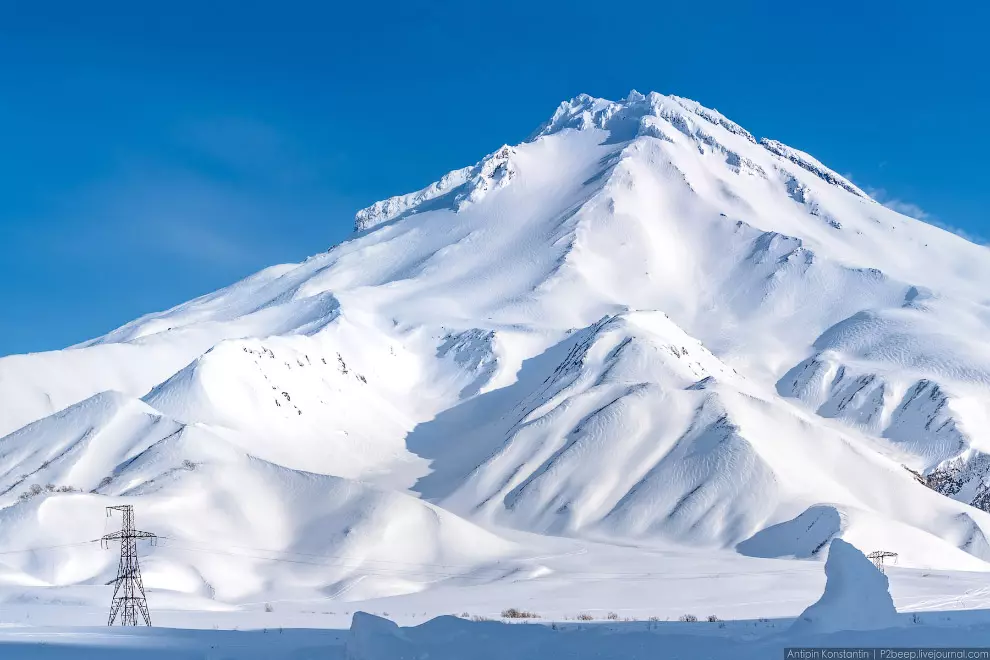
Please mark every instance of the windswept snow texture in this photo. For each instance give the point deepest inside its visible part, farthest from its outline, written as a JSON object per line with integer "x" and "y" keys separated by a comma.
{"x": 644, "y": 325}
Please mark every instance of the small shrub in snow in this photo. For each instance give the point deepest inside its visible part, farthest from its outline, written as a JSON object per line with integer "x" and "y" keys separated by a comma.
{"x": 513, "y": 613}
{"x": 585, "y": 617}
{"x": 712, "y": 618}
{"x": 269, "y": 608}
{"x": 612, "y": 616}
{"x": 35, "y": 489}
{"x": 477, "y": 617}
{"x": 189, "y": 465}
{"x": 688, "y": 618}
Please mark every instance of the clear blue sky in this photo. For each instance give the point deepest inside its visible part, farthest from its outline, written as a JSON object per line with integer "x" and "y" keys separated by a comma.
{"x": 152, "y": 152}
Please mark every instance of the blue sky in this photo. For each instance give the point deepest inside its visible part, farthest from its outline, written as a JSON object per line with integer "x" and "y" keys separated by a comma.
{"x": 153, "y": 152}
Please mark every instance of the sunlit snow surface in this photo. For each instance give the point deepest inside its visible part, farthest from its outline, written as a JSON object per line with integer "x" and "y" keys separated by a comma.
{"x": 641, "y": 363}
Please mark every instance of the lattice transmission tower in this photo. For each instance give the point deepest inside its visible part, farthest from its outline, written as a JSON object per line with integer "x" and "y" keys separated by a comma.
{"x": 879, "y": 556}
{"x": 128, "y": 594}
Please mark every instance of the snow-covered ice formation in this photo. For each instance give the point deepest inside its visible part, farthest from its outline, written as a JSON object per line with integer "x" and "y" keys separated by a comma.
{"x": 856, "y": 596}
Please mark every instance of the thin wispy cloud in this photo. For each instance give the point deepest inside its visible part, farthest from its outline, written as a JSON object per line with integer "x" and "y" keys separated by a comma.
{"x": 234, "y": 195}
{"x": 915, "y": 211}
{"x": 246, "y": 149}
{"x": 908, "y": 208}
{"x": 901, "y": 206}
{"x": 164, "y": 214}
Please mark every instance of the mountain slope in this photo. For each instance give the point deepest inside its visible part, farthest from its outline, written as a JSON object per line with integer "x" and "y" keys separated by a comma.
{"x": 643, "y": 324}
{"x": 192, "y": 485}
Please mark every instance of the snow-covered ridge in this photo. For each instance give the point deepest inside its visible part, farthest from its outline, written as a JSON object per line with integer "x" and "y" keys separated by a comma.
{"x": 807, "y": 162}
{"x": 463, "y": 186}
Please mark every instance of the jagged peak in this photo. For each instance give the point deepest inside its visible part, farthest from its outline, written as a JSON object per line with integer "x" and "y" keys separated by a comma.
{"x": 581, "y": 112}
{"x": 468, "y": 184}
{"x": 585, "y": 111}
{"x": 637, "y": 115}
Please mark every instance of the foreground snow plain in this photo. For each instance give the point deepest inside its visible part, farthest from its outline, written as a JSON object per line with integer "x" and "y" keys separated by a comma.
{"x": 593, "y": 601}
{"x": 306, "y": 630}
{"x": 641, "y": 364}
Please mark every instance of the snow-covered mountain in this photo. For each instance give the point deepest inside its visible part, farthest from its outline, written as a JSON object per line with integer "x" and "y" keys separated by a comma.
{"x": 641, "y": 325}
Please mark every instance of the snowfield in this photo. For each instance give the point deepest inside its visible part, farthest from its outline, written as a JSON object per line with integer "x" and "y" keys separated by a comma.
{"x": 643, "y": 363}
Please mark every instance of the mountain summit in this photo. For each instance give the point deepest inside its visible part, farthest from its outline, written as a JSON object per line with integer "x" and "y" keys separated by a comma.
{"x": 642, "y": 325}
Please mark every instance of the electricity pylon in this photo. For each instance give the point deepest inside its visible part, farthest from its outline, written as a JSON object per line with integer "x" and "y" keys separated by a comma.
{"x": 128, "y": 594}
{"x": 879, "y": 556}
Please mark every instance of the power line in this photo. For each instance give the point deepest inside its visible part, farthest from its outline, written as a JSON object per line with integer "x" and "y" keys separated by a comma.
{"x": 372, "y": 570}
{"x": 199, "y": 547}
{"x": 48, "y": 547}
{"x": 324, "y": 556}
{"x": 388, "y": 571}
{"x": 395, "y": 568}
